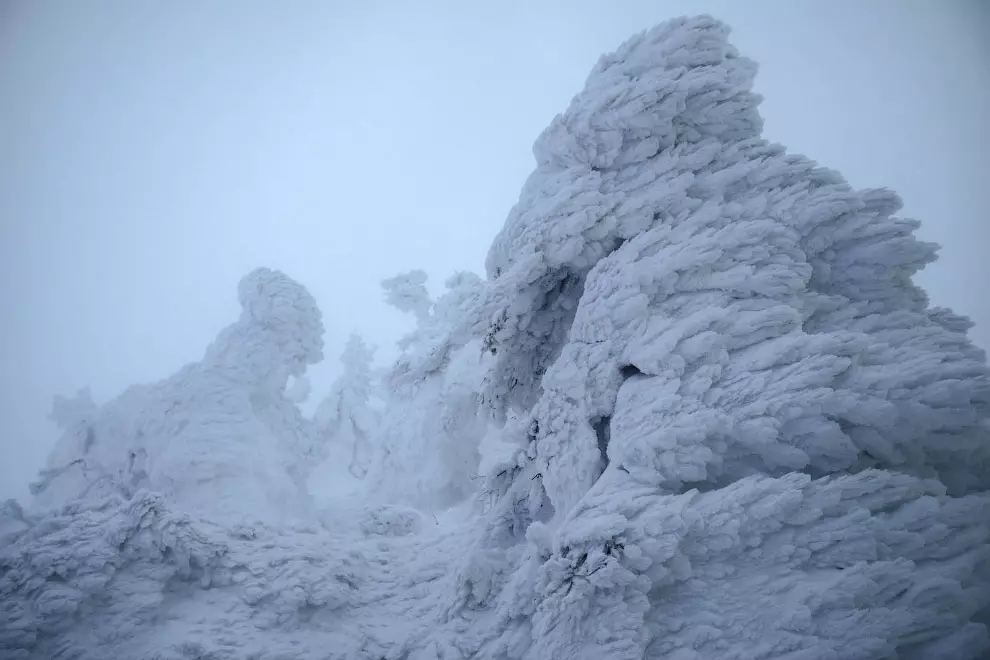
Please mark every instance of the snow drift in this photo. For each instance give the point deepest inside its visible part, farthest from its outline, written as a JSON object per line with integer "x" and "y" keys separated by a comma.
{"x": 733, "y": 429}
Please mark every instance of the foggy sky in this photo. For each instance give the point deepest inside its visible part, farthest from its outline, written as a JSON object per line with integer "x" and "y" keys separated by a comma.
{"x": 152, "y": 153}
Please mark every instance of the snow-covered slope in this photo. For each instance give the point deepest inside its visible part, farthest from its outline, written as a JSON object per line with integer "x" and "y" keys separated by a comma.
{"x": 737, "y": 430}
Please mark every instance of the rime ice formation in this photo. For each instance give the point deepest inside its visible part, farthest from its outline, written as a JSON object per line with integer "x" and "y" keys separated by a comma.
{"x": 738, "y": 432}
{"x": 218, "y": 438}
{"x": 429, "y": 444}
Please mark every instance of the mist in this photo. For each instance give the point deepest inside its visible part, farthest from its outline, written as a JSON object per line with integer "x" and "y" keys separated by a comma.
{"x": 151, "y": 154}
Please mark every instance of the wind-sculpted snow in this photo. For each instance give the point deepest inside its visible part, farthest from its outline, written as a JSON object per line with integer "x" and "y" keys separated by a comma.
{"x": 136, "y": 579}
{"x": 678, "y": 304}
{"x": 737, "y": 429}
{"x": 219, "y": 437}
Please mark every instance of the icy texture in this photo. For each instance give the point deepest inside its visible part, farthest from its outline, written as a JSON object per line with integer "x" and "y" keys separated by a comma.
{"x": 738, "y": 431}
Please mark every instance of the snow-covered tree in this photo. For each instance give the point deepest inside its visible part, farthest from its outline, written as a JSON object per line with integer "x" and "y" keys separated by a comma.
{"x": 434, "y": 419}
{"x": 345, "y": 416}
{"x": 74, "y": 417}
{"x": 754, "y": 437}
{"x": 740, "y": 431}
{"x": 219, "y": 437}
{"x": 407, "y": 292}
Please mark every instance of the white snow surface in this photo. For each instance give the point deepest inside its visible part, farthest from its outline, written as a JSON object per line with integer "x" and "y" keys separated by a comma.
{"x": 725, "y": 425}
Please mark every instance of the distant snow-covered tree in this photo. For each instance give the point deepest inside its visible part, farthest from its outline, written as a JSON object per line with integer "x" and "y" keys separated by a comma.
{"x": 219, "y": 436}
{"x": 434, "y": 419}
{"x": 407, "y": 292}
{"x": 345, "y": 416}
{"x": 75, "y": 418}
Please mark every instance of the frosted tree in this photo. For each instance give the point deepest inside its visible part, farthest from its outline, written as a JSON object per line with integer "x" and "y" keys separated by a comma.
{"x": 407, "y": 292}
{"x": 219, "y": 436}
{"x": 345, "y": 416}
{"x": 434, "y": 418}
{"x": 74, "y": 417}
{"x": 753, "y": 437}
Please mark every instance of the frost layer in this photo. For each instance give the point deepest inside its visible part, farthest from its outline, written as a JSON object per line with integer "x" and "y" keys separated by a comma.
{"x": 740, "y": 432}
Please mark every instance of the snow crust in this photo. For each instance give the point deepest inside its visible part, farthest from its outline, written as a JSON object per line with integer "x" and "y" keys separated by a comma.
{"x": 716, "y": 417}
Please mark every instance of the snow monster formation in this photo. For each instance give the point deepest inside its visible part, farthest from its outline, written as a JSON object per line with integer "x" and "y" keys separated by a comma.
{"x": 740, "y": 433}
{"x": 218, "y": 437}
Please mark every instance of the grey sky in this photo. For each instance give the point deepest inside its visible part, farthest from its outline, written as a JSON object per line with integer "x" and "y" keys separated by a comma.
{"x": 152, "y": 153}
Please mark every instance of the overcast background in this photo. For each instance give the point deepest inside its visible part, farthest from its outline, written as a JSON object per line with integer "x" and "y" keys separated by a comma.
{"x": 151, "y": 153}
